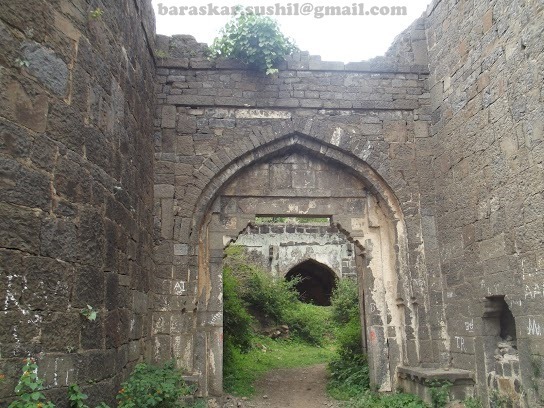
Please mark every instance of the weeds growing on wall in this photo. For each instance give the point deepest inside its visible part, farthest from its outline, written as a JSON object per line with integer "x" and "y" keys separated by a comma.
{"x": 147, "y": 387}
{"x": 440, "y": 393}
{"x": 29, "y": 388}
{"x": 254, "y": 40}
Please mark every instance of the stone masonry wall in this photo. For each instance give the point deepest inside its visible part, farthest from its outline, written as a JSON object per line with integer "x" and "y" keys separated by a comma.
{"x": 280, "y": 247}
{"x": 486, "y": 196}
{"x": 76, "y": 191}
{"x": 214, "y": 117}
{"x": 442, "y": 136}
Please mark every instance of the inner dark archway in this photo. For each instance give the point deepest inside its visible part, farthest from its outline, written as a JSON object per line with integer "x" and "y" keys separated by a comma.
{"x": 317, "y": 282}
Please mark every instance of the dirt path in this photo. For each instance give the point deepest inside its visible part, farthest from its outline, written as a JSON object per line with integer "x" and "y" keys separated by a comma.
{"x": 293, "y": 388}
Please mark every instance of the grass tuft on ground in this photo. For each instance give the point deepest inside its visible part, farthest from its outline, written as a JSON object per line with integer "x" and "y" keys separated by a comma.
{"x": 246, "y": 368}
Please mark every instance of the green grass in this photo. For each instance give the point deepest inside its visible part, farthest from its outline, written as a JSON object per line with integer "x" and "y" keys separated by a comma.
{"x": 255, "y": 300}
{"x": 373, "y": 400}
{"x": 246, "y": 368}
{"x": 311, "y": 324}
{"x": 348, "y": 376}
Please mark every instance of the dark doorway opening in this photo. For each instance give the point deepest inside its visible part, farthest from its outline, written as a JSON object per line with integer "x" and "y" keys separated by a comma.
{"x": 317, "y": 282}
{"x": 500, "y": 319}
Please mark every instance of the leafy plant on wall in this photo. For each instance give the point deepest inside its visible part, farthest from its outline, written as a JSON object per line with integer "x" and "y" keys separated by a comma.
{"x": 254, "y": 40}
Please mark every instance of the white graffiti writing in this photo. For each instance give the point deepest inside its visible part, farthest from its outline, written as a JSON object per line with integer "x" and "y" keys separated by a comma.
{"x": 460, "y": 343}
{"x": 216, "y": 318}
{"x": 533, "y": 328}
{"x": 534, "y": 291}
{"x": 419, "y": 283}
{"x": 179, "y": 288}
{"x": 469, "y": 326}
{"x": 516, "y": 303}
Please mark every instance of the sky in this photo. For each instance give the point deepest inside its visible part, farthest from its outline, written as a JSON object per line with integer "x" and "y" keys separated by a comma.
{"x": 333, "y": 37}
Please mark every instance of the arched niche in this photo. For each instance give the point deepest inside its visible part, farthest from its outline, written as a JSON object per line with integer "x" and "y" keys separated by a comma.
{"x": 298, "y": 175}
{"x": 316, "y": 282}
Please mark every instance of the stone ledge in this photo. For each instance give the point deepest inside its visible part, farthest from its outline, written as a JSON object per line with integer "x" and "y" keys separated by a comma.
{"x": 421, "y": 374}
{"x": 370, "y": 66}
{"x": 417, "y": 380}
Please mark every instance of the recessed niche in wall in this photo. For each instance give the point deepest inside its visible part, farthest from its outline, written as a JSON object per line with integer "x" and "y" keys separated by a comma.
{"x": 316, "y": 282}
{"x": 502, "y": 360}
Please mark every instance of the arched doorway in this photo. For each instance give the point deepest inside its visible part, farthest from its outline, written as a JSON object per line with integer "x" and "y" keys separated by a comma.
{"x": 316, "y": 282}
{"x": 300, "y": 176}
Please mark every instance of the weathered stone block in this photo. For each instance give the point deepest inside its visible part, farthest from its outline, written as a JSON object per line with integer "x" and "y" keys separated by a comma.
{"x": 61, "y": 331}
{"x": 49, "y": 69}
{"x": 19, "y": 228}
{"x": 169, "y": 115}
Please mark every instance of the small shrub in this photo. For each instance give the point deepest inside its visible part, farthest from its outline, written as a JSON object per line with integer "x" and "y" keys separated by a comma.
{"x": 274, "y": 298}
{"x": 254, "y": 40}
{"x": 372, "y": 400}
{"x": 29, "y": 389}
{"x": 349, "y": 338}
{"x": 498, "y": 400}
{"x": 310, "y": 323}
{"x": 150, "y": 386}
{"x": 161, "y": 54}
{"x": 21, "y": 63}
{"x": 440, "y": 393}
{"x": 237, "y": 330}
{"x": 349, "y": 376}
{"x": 346, "y": 315}
{"x": 89, "y": 313}
{"x": 76, "y": 397}
{"x": 269, "y": 297}
{"x": 345, "y": 301}
{"x": 97, "y": 13}
{"x": 472, "y": 403}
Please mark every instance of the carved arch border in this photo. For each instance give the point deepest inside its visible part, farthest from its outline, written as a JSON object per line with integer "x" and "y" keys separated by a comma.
{"x": 209, "y": 246}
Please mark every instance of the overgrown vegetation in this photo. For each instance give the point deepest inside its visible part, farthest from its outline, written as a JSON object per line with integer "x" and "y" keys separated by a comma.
{"x": 241, "y": 370}
{"x": 440, "y": 393}
{"x": 254, "y": 40}
{"x": 349, "y": 375}
{"x": 29, "y": 388}
{"x": 349, "y": 371}
{"x": 254, "y": 301}
{"x": 147, "y": 387}
{"x": 471, "y": 402}
{"x": 499, "y": 400}
{"x": 373, "y": 400}
{"x": 151, "y": 386}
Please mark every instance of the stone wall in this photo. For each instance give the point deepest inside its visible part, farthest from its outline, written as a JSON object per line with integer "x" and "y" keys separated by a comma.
{"x": 485, "y": 198}
{"x": 428, "y": 159}
{"x": 223, "y": 126}
{"x": 280, "y": 247}
{"x": 76, "y": 191}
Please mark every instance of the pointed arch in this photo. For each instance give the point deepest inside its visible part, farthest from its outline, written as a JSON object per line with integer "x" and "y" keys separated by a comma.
{"x": 382, "y": 234}
{"x": 315, "y": 147}
{"x": 316, "y": 281}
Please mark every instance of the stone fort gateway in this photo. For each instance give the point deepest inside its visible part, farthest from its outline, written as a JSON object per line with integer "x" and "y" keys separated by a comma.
{"x": 123, "y": 177}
